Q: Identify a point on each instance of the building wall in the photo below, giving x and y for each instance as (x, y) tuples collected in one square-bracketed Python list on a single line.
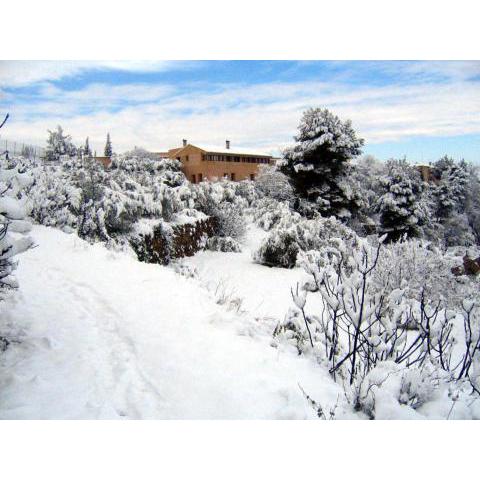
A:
[(106, 161), (196, 169)]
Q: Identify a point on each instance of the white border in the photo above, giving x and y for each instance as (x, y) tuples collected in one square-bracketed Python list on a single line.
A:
[(246, 29)]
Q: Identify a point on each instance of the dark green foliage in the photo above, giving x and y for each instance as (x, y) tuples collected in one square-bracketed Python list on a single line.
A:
[(108, 147), (316, 164)]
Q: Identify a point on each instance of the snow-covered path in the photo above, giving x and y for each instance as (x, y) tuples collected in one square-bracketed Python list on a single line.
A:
[(105, 336)]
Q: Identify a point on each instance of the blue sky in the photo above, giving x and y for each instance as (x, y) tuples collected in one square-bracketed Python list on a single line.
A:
[(420, 110)]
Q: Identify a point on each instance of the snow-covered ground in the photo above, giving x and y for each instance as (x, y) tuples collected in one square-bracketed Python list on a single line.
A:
[(264, 291), (101, 335)]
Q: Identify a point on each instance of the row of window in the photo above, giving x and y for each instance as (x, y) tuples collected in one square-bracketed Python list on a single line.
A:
[(199, 177), (233, 158)]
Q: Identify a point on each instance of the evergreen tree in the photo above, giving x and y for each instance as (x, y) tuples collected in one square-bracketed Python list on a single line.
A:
[(108, 147), (450, 195), (58, 145), (403, 207), (317, 163), (472, 201), (86, 149), (451, 190)]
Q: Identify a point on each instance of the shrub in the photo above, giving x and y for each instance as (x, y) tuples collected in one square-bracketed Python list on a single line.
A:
[(293, 234), (268, 213), (223, 244), (362, 333), (219, 201), (272, 183)]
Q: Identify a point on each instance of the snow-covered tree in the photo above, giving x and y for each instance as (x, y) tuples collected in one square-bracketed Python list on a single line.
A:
[(450, 192), (13, 224), (58, 145), (451, 198), (403, 208), (317, 162), (108, 152), (472, 201), (87, 151)]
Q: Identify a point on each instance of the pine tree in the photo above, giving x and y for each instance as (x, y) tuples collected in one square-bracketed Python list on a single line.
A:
[(86, 149), (403, 208), (108, 147), (472, 201), (451, 190), (318, 162)]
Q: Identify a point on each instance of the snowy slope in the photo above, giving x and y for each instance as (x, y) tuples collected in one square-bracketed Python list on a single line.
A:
[(102, 335)]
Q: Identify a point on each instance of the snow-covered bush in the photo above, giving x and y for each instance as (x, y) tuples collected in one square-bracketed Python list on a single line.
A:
[(14, 226), (54, 198), (415, 266), (103, 204), (59, 145), (220, 201), (223, 244), (272, 183), (268, 213), (246, 192), (293, 234)]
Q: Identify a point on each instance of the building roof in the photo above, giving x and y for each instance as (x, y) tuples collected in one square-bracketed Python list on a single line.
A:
[(234, 151)]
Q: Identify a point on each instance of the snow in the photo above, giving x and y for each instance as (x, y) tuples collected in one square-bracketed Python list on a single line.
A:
[(232, 151), (100, 335), (265, 291)]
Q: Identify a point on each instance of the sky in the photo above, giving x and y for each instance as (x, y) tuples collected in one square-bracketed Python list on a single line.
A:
[(420, 110)]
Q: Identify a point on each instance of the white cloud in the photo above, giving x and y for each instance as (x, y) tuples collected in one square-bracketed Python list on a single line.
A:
[(262, 116), (18, 73)]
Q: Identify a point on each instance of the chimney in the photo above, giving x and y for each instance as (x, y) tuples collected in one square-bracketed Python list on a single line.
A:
[(227, 144), (184, 142)]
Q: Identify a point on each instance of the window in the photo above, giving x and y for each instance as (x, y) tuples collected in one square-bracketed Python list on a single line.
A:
[(232, 176), (194, 180), (200, 177), (186, 158), (252, 176)]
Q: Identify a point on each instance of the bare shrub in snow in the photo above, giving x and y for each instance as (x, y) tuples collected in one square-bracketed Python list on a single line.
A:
[(363, 333)]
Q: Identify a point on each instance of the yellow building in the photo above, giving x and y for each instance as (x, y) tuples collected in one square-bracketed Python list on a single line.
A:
[(210, 163)]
